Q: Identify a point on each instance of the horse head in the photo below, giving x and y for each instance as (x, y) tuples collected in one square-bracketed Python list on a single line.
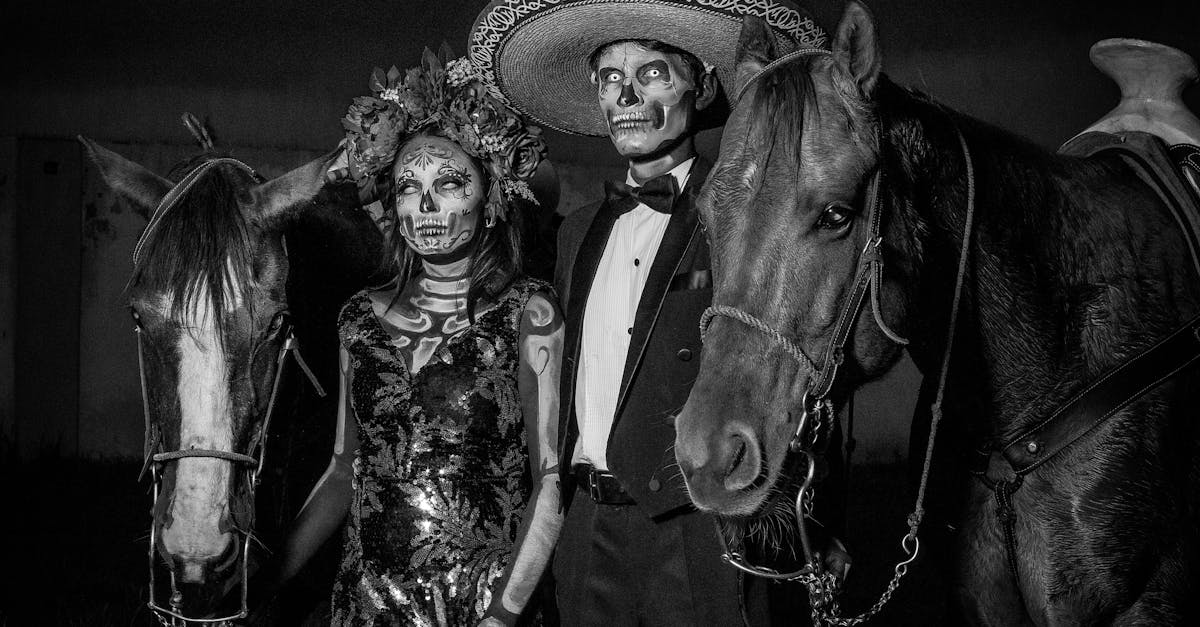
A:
[(1032, 285), (209, 296), (788, 213)]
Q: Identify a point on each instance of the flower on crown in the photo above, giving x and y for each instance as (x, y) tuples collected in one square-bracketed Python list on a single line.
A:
[(446, 94)]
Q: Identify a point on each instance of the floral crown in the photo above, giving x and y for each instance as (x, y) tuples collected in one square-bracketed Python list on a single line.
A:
[(445, 93)]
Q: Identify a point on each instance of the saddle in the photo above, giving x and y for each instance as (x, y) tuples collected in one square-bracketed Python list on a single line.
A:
[(1172, 172)]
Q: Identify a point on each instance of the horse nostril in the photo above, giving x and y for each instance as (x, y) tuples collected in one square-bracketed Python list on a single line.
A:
[(744, 460), (228, 558)]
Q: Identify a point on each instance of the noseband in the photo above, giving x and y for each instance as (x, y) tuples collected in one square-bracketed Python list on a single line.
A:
[(156, 457), (818, 416)]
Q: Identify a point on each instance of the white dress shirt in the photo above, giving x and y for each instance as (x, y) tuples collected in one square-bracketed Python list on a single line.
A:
[(608, 320)]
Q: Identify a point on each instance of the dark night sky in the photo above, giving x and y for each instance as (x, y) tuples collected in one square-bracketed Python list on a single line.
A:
[(275, 73)]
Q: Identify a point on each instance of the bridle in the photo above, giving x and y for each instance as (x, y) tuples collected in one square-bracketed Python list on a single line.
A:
[(252, 460), (817, 413)]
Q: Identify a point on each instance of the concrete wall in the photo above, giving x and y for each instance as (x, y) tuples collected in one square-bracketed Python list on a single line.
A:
[(110, 408), (272, 78)]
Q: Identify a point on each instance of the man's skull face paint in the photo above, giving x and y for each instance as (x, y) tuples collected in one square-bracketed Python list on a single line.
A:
[(648, 98), (439, 196)]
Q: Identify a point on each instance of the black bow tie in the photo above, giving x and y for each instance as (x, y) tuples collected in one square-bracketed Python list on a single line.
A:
[(658, 193)]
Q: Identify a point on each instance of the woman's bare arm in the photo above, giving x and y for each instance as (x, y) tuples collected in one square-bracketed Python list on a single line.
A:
[(328, 502), (541, 347)]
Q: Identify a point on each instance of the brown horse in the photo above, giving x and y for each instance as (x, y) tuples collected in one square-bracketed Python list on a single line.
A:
[(1030, 274), (231, 274)]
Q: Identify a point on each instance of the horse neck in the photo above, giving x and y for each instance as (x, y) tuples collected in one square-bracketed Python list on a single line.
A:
[(1055, 289), (332, 252)]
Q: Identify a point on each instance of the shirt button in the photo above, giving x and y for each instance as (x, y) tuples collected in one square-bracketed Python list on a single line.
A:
[(629, 330), (684, 354), (654, 485), (637, 262)]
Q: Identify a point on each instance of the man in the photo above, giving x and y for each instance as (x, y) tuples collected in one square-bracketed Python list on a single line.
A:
[(632, 276)]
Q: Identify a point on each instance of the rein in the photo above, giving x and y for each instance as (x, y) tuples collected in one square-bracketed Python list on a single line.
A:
[(817, 406), (253, 460)]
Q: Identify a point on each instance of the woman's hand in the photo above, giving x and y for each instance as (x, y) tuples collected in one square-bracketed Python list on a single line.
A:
[(837, 559), (491, 621)]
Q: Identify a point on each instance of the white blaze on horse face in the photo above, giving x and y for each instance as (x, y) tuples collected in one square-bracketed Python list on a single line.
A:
[(647, 97), (439, 190), (201, 494)]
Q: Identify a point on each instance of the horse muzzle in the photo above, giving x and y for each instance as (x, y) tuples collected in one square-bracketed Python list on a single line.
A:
[(723, 467)]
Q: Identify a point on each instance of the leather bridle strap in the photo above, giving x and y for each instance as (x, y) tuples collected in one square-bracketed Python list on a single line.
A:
[(258, 445), (870, 271), (291, 346), (868, 278), (822, 586)]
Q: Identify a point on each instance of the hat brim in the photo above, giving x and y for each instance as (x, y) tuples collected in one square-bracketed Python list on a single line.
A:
[(533, 54)]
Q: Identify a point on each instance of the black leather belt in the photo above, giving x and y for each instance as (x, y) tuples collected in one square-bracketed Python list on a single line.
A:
[(600, 485)]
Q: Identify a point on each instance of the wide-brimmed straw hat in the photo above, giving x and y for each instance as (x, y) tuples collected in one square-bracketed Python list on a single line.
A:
[(533, 54)]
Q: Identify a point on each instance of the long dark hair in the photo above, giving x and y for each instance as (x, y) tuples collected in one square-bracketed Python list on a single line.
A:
[(496, 252)]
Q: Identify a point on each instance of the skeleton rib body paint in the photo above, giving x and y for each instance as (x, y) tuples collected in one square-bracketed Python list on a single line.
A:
[(438, 191), (428, 312), (649, 98)]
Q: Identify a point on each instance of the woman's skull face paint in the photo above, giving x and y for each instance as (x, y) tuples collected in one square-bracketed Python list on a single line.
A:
[(648, 98), (439, 196)]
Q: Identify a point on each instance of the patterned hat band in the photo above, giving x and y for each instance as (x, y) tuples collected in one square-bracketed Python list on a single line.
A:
[(533, 54)]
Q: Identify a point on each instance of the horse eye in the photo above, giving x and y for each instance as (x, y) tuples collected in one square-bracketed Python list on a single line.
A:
[(835, 216), (278, 322)]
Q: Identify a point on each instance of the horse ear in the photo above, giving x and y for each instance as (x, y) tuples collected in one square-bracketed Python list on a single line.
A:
[(856, 49), (140, 187), (295, 191), (756, 48)]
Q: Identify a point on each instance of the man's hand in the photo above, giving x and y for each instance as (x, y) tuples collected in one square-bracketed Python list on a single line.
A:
[(491, 621)]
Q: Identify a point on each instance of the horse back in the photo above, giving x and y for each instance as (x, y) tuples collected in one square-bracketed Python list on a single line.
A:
[(1150, 160)]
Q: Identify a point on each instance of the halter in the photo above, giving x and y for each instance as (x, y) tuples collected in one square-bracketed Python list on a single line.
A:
[(253, 460), (817, 417)]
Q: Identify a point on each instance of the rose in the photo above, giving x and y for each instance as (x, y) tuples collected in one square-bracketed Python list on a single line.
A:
[(483, 114), (373, 129), (525, 153)]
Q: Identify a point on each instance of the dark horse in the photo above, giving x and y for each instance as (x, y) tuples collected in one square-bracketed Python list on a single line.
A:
[(1069, 267), (230, 276)]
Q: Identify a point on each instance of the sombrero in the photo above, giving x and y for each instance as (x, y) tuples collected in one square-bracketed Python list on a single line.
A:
[(532, 54)]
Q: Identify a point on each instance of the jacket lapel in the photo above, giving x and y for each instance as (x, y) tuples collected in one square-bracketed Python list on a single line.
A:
[(680, 233)]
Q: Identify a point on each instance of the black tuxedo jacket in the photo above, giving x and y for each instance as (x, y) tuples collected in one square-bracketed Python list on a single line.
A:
[(664, 350)]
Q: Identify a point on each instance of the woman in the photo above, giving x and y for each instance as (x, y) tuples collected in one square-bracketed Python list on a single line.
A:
[(445, 453)]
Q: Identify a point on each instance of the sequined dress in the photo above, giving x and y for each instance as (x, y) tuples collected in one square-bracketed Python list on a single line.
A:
[(441, 477)]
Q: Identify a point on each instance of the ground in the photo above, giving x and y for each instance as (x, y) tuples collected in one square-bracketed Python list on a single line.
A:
[(76, 535)]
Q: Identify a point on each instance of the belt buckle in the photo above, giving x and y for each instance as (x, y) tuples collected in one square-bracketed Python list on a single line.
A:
[(594, 485)]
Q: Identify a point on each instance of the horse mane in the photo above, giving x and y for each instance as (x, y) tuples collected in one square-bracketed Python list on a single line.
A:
[(202, 246), (785, 96)]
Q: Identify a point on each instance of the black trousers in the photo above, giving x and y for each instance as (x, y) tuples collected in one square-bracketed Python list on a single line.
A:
[(615, 567)]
